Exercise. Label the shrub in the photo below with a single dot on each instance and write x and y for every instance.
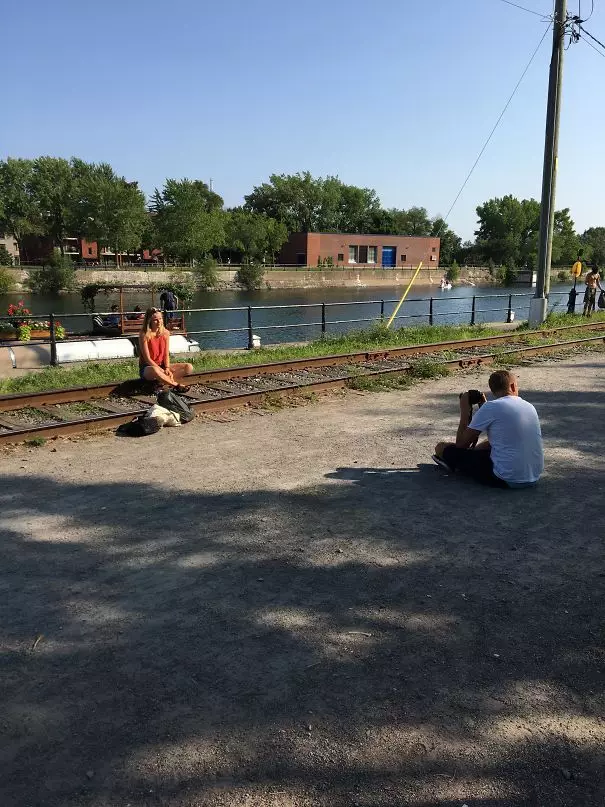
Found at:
(207, 275)
(57, 276)
(183, 285)
(562, 275)
(491, 266)
(6, 259)
(6, 281)
(250, 276)
(507, 274)
(453, 273)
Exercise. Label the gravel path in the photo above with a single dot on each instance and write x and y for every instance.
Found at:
(297, 609)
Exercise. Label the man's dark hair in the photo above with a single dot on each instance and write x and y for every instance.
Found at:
(500, 381)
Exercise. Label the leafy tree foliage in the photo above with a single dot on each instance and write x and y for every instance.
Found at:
(189, 220)
(57, 275)
(6, 259)
(19, 208)
(254, 236)
(52, 184)
(593, 241)
(107, 208)
(305, 204)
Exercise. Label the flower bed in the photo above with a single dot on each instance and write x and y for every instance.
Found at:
(24, 329)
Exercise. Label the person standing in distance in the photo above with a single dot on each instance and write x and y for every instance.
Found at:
(513, 455)
(593, 281)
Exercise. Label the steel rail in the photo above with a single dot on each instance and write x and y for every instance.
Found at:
(14, 401)
(234, 400)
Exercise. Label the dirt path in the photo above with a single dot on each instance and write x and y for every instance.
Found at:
(300, 609)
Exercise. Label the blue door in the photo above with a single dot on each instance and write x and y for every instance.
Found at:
(389, 257)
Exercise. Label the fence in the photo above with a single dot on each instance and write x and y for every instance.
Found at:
(250, 323)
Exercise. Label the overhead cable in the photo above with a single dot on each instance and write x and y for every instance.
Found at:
(529, 10)
(491, 134)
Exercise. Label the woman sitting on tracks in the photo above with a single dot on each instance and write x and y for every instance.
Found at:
(154, 356)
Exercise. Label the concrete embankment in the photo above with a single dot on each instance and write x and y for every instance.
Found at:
(304, 278)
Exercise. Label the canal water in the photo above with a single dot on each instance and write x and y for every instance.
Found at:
(295, 315)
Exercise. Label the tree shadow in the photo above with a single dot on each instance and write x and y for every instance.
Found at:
(363, 641)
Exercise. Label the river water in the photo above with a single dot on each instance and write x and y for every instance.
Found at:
(302, 321)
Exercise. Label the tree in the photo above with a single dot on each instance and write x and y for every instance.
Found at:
(52, 183)
(306, 204)
(107, 208)
(189, 219)
(19, 210)
(566, 241)
(593, 241)
(252, 235)
(6, 258)
(450, 242)
(58, 275)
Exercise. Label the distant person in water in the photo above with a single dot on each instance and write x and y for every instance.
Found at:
(154, 355)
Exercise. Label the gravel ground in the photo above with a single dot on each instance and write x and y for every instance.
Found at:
(297, 609)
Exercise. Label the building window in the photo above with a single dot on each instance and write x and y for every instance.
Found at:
(433, 257)
(404, 258)
(90, 250)
(363, 254)
(372, 254)
(341, 256)
(434, 249)
(353, 253)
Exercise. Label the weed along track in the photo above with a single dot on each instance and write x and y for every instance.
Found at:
(63, 412)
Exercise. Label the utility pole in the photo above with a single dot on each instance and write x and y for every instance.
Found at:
(539, 303)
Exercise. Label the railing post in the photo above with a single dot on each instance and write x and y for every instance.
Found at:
(431, 311)
(250, 340)
(53, 341)
(323, 319)
(382, 310)
(473, 310)
(510, 308)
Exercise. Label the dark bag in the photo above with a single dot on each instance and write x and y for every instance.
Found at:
(601, 300)
(170, 400)
(140, 427)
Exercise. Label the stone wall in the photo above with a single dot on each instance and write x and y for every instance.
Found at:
(308, 278)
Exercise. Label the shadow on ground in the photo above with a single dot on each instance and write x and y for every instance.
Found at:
(388, 637)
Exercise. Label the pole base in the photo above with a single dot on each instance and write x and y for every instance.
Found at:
(537, 311)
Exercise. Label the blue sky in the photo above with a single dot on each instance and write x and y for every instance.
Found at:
(395, 95)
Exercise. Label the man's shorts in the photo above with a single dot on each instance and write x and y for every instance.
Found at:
(590, 294)
(476, 463)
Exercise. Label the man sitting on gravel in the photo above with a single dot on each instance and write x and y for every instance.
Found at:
(512, 456)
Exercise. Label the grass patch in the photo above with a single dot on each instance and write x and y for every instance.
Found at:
(36, 442)
(375, 338)
(419, 371)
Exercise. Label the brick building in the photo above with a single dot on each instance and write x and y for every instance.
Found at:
(38, 249)
(9, 243)
(353, 250)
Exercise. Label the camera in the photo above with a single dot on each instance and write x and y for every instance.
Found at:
(475, 397)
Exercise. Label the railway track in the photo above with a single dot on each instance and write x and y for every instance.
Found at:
(63, 412)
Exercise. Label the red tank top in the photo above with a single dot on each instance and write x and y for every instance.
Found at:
(157, 349)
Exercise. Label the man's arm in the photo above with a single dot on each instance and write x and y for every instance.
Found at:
(465, 436)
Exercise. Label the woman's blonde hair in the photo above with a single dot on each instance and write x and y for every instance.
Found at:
(146, 329)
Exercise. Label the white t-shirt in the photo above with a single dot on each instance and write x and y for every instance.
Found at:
(513, 430)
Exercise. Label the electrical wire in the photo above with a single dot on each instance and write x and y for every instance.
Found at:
(529, 10)
(491, 134)
(596, 50)
(594, 39)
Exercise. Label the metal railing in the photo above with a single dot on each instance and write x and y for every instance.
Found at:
(514, 302)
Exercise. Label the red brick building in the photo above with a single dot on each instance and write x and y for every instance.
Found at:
(352, 250)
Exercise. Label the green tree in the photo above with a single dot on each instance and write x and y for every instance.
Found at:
(207, 274)
(450, 242)
(593, 241)
(58, 275)
(189, 219)
(19, 210)
(6, 259)
(107, 208)
(304, 203)
(566, 241)
(254, 236)
(453, 273)
(52, 184)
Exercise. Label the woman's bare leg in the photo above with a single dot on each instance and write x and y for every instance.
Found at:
(180, 370)
(152, 373)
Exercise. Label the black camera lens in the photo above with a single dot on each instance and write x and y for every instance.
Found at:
(474, 397)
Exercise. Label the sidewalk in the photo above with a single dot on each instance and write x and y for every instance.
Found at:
(298, 609)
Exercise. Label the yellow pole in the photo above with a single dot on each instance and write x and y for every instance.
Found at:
(405, 294)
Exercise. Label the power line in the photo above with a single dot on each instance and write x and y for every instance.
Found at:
(491, 134)
(594, 39)
(529, 10)
(596, 50)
